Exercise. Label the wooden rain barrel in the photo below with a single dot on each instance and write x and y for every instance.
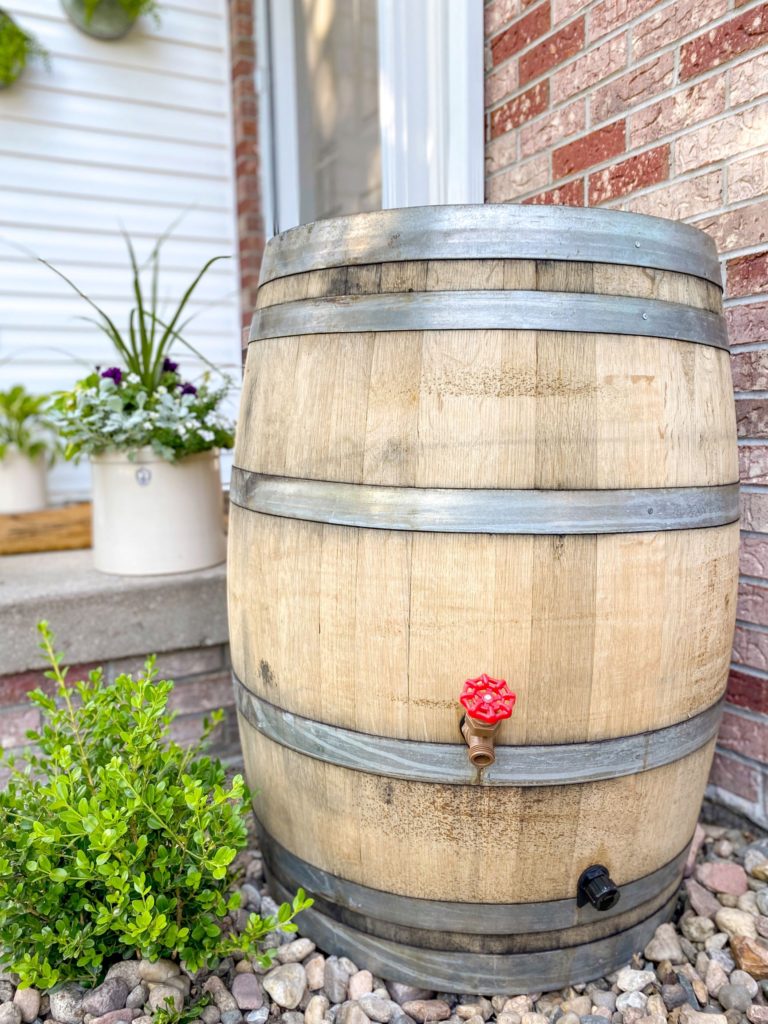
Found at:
(492, 439)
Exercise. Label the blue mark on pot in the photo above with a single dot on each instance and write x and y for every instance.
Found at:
(143, 476)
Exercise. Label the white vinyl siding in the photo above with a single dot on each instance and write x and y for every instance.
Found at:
(133, 134)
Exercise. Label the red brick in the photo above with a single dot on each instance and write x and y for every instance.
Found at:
(747, 275)
(752, 418)
(611, 14)
(672, 23)
(500, 83)
(753, 556)
(736, 777)
(753, 469)
(641, 83)
(518, 180)
(747, 691)
(750, 648)
(519, 110)
(592, 149)
(520, 33)
(747, 736)
(754, 514)
(14, 724)
(552, 127)
(743, 32)
(638, 171)
(750, 370)
(571, 194)
(748, 323)
(202, 694)
(683, 110)
(498, 13)
(585, 72)
(738, 229)
(14, 689)
(731, 136)
(748, 178)
(749, 80)
(552, 51)
(682, 199)
(752, 603)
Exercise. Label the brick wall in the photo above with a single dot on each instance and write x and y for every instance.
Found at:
(246, 152)
(202, 684)
(661, 108)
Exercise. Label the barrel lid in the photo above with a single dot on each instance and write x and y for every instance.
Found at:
(492, 231)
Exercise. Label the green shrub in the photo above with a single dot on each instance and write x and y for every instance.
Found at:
(17, 47)
(116, 841)
(25, 423)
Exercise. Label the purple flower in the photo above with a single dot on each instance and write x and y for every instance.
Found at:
(169, 366)
(114, 373)
(188, 389)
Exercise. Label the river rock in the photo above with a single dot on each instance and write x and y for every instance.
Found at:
(630, 980)
(715, 977)
(221, 996)
(749, 983)
(508, 1018)
(110, 995)
(7, 989)
(534, 1018)
(761, 899)
(580, 1005)
(758, 1014)
(736, 922)
(701, 899)
(257, 1016)
(65, 1004)
(474, 1006)
(287, 983)
(697, 842)
(296, 951)
(423, 1010)
(210, 1014)
(350, 1013)
(247, 992)
(360, 984)
(406, 993)
(518, 1004)
(161, 996)
(315, 971)
(377, 1008)
(10, 1014)
(316, 1009)
(633, 999)
(137, 996)
(665, 945)
(128, 970)
(117, 1016)
(674, 995)
(336, 979)
(232, 1016)
(697, 929)
(722, 877)
(734, 997)
(750, 956)
(157, 970)
(690, 1016)
(28, 1002)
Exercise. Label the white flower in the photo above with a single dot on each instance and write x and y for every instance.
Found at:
(133, 378)
(207, 435)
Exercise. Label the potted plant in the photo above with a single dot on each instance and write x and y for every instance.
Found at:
(17, 47)
(153, 440)
(107, 19)
(26, 441)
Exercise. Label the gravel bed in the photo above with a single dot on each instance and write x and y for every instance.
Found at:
(709, 967)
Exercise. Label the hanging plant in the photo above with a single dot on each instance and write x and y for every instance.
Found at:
(108, 19)
(17, 47)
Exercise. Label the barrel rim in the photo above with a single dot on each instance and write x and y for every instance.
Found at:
(459, 915)
(518, 310)
(531, 765)
(492, 231)
(538, 512)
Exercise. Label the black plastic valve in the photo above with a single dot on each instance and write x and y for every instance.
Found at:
(595, 887)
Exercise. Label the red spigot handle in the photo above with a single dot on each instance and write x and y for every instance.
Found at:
(487, 700)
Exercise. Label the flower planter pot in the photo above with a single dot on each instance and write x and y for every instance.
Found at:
(110, 20)
(22, 483)
(153, 517)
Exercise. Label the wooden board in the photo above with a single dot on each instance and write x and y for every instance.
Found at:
(377, 630)
(476, 843)
(63, 528)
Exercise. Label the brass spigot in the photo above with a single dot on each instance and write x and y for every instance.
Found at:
(487, 703)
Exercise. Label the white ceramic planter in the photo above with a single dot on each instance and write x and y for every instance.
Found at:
(22, 483)
(152, 517)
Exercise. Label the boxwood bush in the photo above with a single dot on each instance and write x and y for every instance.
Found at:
(115, 841)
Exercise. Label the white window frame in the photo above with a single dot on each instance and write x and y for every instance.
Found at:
(430, 105)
